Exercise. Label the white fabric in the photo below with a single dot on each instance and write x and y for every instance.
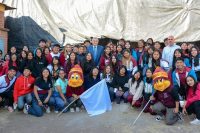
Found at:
(129, 19)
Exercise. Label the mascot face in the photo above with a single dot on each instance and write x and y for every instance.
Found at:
(160, 79)
(75, 77)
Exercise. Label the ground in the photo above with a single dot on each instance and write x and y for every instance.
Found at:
(115, 121)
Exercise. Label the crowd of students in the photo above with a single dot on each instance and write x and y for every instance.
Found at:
(34, 81)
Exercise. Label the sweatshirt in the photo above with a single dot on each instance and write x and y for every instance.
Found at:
(136, 92)
(193, 97)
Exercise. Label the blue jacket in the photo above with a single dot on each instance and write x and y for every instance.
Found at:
(98, 54)
(176, 80)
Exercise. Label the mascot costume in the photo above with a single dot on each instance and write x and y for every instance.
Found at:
(75, 87)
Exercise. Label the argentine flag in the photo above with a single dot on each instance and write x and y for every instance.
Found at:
(97, 99)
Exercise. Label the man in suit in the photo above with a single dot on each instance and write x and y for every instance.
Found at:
(96, 50)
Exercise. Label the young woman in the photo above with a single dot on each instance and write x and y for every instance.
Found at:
(30, 61)
(195, 61)
(92, 79)
(185, 51)
(108, 76)
(192, 104)
(42, 95)
(150, 41)
(13, 50)
(136, 86)
(147, 60)
(157, 45)
(60, 91)
(139, 53)
(128, 45)
(6, 57)
(22, 61)
(54, 68)
(65, 54)
(25, 48)
(70, 62)
(105, 58)
(115, 64)
(120, 84)
(87, 64)
(129, 62)
(12, 62)
(46, 53)
(119, 52)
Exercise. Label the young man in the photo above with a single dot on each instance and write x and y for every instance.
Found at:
(6, 87)
(81, 54)
(55, 52)
(23, 89)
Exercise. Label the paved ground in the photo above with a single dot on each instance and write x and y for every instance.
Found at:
(115, 121)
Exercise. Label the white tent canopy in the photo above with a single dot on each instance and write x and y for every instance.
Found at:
(128, 19)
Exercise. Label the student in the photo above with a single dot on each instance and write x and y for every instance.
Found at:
(87, 64)
(192, 104)
(147, 59)
(92, 79)
(23, 89)
(25, 48)
(157, 45)
(185, 51)
(119, 52)
(140, 52)
(115, 64)
(105, 58)
(41, 95)
(30, 61)
(120, 84)
(65, 54)
(13, 50)
(108, 76)
(60, 91)
(54, 53)
(81, 54)
(6, 87)
(22, 61)
(136, 86)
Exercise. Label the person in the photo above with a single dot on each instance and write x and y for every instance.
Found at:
(128, 45)
(120, 84)
(86, 43)
(22, 61)
(168, 51)
(119, 52)
(81, 54)
(40, 63)
(147, 59)
(108, 76)
(96, 50)
(6, 57)
(105, 58)
(13, 50)
(65, 54)
(165, 41)
(195, 61)
(25, 48)
(87, 64)
(92, 78)
(178, 77)
(60, 91)
(129, 62)
(23, 88)
(30, 61)
(41, 45)
(75, 49)
(42, 95)
(192, 104)
(55, 52)
(115, 63)
(6, 87)
(1, 61)
(157, 45)
(185, 50)
(136, 86)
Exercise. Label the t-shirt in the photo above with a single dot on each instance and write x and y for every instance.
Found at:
(5, 83)
(43, 86)
(62, 84)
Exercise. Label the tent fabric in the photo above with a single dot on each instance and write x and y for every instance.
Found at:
(73, 21)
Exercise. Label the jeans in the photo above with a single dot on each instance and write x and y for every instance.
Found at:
(37, 110)
(78, 102)
(59, 103)
(111, 93)
(194, 108)
(120, 95)
(21, 99)
(8, 96)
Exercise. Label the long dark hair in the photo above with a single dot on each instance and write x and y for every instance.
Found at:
(69, 63)
(147, 55)
(193, 87)
(156, 62)
(10, 63)
(57, 58)
(139, 80)
(196, 58)
(91, 72)
(122, 66)
(174, 58)
(149, 80)
(49, 77)
(105, 52)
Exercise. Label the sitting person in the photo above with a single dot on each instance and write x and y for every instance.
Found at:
(192, 104)
(92, 78)
(136, 86)
(23, 89)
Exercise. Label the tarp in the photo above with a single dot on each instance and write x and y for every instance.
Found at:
(128, 19)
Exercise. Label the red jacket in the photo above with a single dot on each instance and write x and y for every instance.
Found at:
(62, 59)
(192, 97)
(6, 67)
(78, 91)
(104, 62)
(23, 86)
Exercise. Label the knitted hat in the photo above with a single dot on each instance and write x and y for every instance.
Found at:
(159, 73)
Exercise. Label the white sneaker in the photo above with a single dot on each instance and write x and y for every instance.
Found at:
(159, 118)
(26, 107)
(77, 109)
(47, 109)
(56, 111)
(72, 110)
(195, 122)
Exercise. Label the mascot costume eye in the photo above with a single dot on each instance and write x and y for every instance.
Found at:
(75, 77)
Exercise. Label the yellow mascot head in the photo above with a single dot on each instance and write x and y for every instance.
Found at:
(75, 77)
(160, 79)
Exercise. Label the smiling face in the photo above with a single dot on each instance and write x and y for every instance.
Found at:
(75, 80)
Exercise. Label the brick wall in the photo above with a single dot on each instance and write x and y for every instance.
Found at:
(2, 19)
(3, 32)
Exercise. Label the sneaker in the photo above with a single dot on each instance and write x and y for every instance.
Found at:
(56, 111)
(26, 107)
(77, 109)
(10, 109)
(180, 117)
(47, 109)
(195, 122)
(72, 110)
(159, 118)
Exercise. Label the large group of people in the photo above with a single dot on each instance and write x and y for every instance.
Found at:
(37, 81)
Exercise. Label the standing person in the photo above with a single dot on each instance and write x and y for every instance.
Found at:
(157, 45)
(41, 95)
(165, 41)
(168, 51)
(195, 61)
(60, 91)
(140, 53)
(105, 58)
(120, 84)
(40, 63)
(30, 61)
(25, 48)
(23, 89)
(136, 86)
(55, 52)
(65, 54)
(96, 50)
(1, 61)
(185, 51)
(46, 52)
(147, 59)
(81, 54)
(128, 45)
(22, 61)
(115, 64)
(6, 87)
(119, 52)
(41, 45)
(192, 104)
(13, 50)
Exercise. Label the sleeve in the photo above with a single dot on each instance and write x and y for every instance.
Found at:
(195, 97)
(15, 92)
(57, 83)
(174, 94)
(37, 82)
(102, 63)
(139, 91)
(114, 82)
(69, 91)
